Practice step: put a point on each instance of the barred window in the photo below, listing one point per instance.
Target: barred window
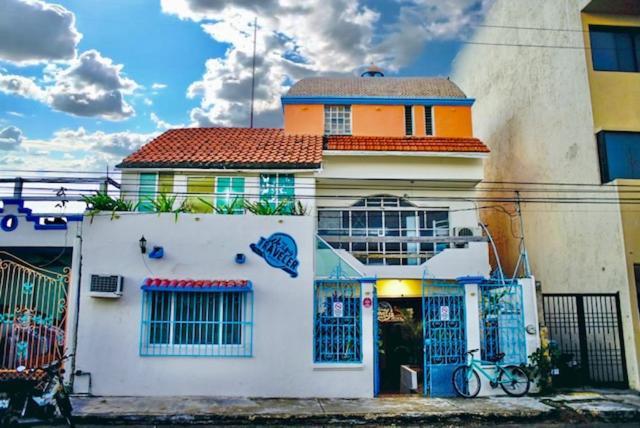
(408, 120)
(337, 120)
(428, 120)
(197, 323)
(337, 322)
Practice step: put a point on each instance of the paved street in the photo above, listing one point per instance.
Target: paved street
(621, 408)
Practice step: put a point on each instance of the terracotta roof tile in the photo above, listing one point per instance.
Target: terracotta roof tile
(406, 144)
(244, 148)
(406, 87)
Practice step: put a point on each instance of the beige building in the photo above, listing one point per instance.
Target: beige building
(557, 85)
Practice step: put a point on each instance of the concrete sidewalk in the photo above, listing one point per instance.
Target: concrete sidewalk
(580, 407)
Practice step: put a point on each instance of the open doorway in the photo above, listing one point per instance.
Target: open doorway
(400, 347)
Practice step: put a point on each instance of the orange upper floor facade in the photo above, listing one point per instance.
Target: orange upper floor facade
(378, 107)
(383, 120)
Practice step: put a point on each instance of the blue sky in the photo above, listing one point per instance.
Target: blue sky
(84, 82)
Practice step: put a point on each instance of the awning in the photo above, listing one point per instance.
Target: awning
(201, 285)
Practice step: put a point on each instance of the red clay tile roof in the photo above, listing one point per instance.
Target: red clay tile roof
(244, 148)
(197, 285)
(405, 144)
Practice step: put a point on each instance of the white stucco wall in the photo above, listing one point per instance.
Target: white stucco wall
(533, 110)
(200, 247)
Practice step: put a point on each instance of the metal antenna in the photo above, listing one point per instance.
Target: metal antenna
(253, 69)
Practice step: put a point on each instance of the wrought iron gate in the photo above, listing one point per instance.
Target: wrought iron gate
(33, 311)
(587, 329)
(445, 339)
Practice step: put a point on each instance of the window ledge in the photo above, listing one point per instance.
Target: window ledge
(338, 366)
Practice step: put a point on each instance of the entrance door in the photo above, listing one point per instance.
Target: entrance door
(400, 344)
(587, 329)
(445, 339)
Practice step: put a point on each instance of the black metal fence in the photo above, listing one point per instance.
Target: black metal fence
(587, 329)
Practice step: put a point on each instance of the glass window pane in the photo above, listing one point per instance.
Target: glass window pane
(392, 223)
(603, 50)
(624, 52)
(146, 191)
(622, 151)
(637, 46)
(160, 317)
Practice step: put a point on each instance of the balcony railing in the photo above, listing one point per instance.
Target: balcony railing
(399, 246)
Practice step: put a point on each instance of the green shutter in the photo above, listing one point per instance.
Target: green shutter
(165, 182)
(146, 191)
(200, 188)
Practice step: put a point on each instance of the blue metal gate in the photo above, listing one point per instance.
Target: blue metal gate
(502, 322)
(445, 339)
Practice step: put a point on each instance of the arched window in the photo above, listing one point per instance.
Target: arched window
(385, 229)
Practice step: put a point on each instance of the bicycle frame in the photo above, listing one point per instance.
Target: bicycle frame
(477, 365)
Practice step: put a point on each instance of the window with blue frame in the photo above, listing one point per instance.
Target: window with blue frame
(615, 48)
(212, 324)
(337, 322)
(619, 155)
(278, 189)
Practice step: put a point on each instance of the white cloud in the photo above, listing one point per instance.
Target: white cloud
(15, 114)
(89, 85)
(76, 150)
(26, 87)
(163, 125)
(10, 138)
(158, 86)
(35, 31)
(299, 38)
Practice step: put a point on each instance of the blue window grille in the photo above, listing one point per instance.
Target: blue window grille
(502, 323)
(196, 323)
(337, 322)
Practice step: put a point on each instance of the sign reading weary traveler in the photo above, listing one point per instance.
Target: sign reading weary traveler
(280, 251)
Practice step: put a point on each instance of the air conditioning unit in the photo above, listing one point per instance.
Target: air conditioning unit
(464, 232)
(106, 286)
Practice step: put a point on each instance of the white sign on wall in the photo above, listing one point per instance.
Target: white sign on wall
(338, 309)
(444, 313)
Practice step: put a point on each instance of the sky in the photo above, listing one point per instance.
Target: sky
(83, 83)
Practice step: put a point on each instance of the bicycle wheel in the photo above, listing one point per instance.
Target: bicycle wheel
(514, 381)
(466, 382)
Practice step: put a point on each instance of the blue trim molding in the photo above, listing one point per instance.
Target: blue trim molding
(29, 216)
(298, 99)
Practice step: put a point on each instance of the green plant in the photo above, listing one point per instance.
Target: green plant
(284, 207)
(542, 363)
(163, 203)
(102, 201)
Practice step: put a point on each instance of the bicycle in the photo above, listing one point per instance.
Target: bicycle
(36, 392)
(512, 379)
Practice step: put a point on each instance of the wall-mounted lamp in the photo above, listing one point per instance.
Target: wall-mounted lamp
(143, 245)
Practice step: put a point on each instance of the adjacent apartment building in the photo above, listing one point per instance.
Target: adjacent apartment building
(558, 89)
(370, 275)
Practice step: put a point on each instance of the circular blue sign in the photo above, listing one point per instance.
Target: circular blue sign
(9, 223)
